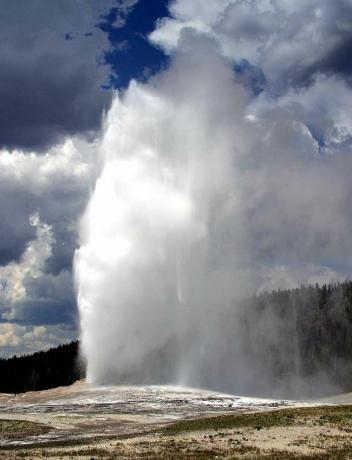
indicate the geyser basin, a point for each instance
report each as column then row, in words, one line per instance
column 84, row 410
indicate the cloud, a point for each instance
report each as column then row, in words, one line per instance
column 27, row 294
column 324, row 107
column 289, row 41
column 51, row 80
column 56, row 185
column 32, row 263
column 19, row 339
column 43, row 197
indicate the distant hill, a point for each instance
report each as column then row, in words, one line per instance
column 42, row 370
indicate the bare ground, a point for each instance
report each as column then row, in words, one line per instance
column 320, row 432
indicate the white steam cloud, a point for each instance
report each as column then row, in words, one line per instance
column 207, row 194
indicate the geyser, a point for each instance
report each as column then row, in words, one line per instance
column 157, row 252
column 202, row 200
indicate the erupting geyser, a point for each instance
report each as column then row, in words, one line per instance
column 201, row 200
column 158, row 255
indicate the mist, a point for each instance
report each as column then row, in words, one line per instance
column 208, row 193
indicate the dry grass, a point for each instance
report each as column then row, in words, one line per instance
column 19, row 429
column 337, row 415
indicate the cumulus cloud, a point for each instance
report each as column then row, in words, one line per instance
column 18, row 339
column 43, row 197
column 37, row 310
column 27, row 294
column 56, row 185
column 324, row 108
column 290, row 41
column 32, row 263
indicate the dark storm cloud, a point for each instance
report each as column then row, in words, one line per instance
column 15, row 232
column 339, row 61
column 39, row 109
column 334, row 57
column 46, row 311
column 50, row 300
column 61, row 207
column 50, row 80
column 340, row 29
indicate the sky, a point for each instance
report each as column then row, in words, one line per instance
column 61, row 63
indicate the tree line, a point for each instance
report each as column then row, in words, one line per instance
column 294, row 342
column 42, row 370
column 300, row 340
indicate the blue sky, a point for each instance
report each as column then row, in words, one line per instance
column 131, row 54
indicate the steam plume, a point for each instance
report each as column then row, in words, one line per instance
column 206, row 195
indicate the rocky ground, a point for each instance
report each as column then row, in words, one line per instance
column 88, row 422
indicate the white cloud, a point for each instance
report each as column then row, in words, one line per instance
column 288, row 40
column 55, row 184
column 32, row 264
column 22, row 339
column 11, row 335
column 46, row 194
column 71, row 159
column 325, row 106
